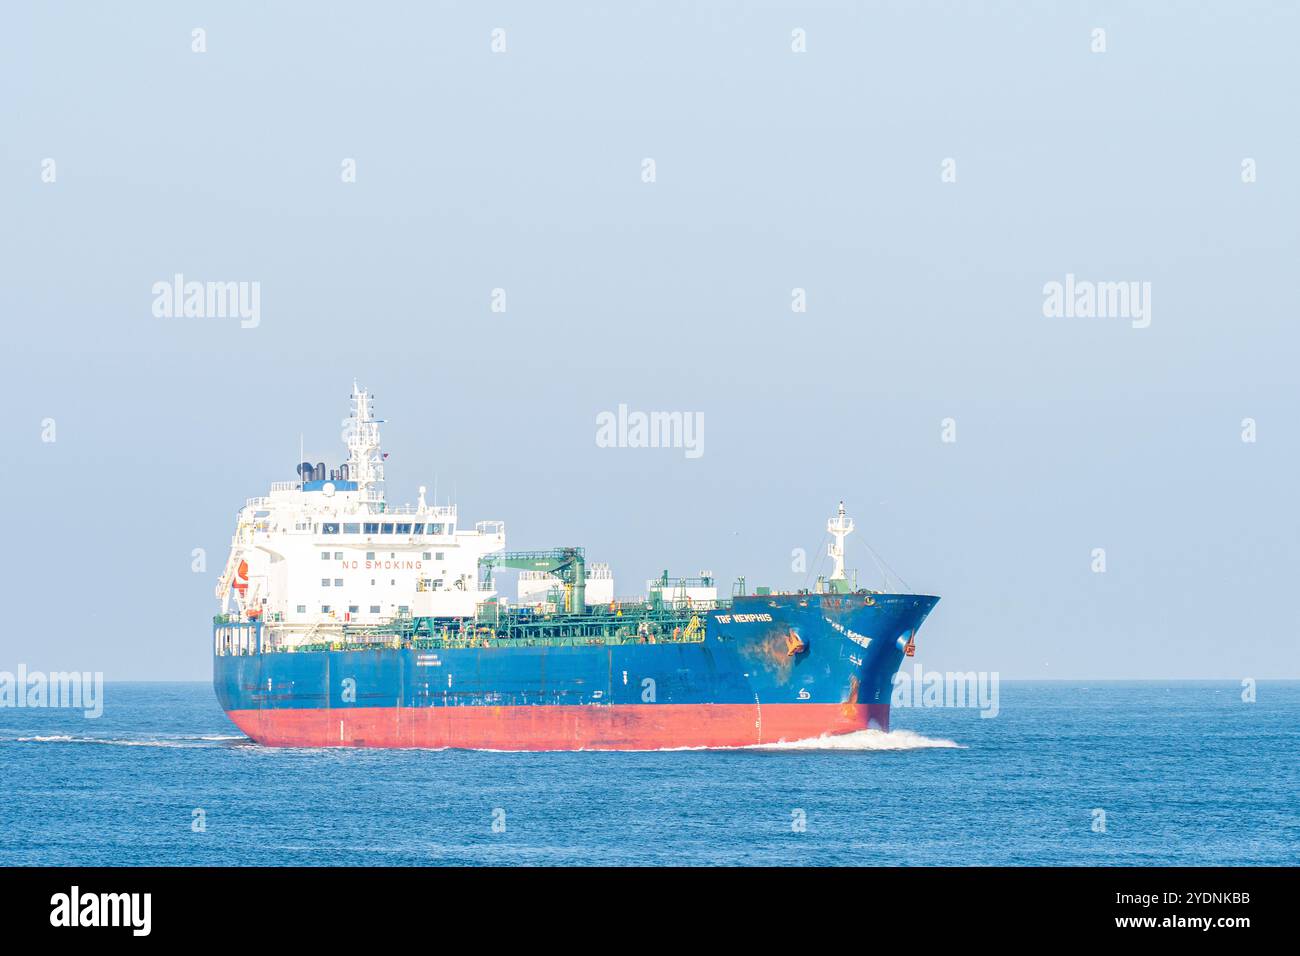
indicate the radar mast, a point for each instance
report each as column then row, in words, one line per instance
column 839, row 527
column 365, row 459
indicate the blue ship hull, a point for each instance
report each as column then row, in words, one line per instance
column 769, row 668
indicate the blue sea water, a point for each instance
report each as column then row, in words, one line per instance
column 1185, row 772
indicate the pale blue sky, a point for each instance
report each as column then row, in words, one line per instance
column 775, row 171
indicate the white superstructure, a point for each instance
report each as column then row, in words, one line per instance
column 328, row 549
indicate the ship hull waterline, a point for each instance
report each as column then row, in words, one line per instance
column 532, row 727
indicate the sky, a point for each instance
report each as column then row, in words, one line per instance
column 921, row 171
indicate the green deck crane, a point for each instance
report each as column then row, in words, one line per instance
column 567, row 564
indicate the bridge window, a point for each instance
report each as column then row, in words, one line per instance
column 403, row 529
column 419, row 529
column 329, row 527
column 435, row 529
column 386, row 528
column 352, row 527
column 371, row 527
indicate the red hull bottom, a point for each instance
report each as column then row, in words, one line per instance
column 613, row 727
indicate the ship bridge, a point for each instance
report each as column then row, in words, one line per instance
column 329, row 549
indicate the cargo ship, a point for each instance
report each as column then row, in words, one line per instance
column 349, row 622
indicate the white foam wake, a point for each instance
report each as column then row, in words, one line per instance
column 181, row 741
column 864, row 740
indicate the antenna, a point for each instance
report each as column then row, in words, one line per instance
column 365, row 459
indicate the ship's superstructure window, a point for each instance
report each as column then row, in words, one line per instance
column 329, row 527
column 324, row 608
column 370, row 556
column 426, row 556
column 324, row 555
column 351, row 527
column 374, row 609
column 352, row 609
column 302, row 609
column 324, row 582
column 338, row 582
column 338, row 555
column 419, row 529
column 403, row 609
column 440, row 556
column 403, row 529
column 371, row 527
column 386, row 528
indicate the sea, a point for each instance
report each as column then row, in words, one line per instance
column 1066, row 773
